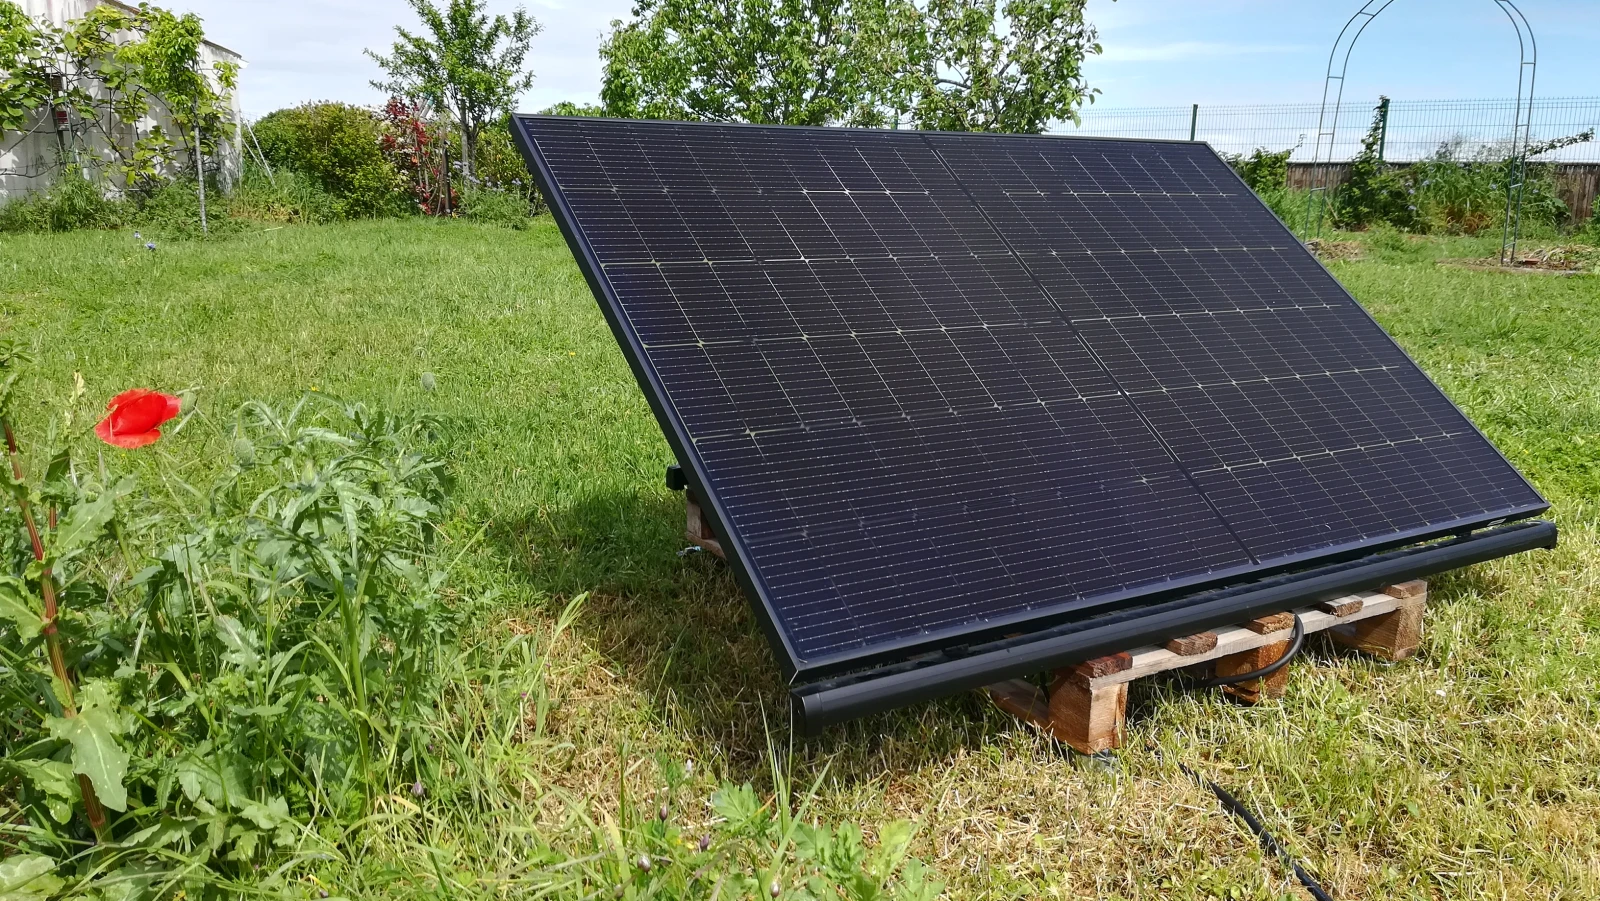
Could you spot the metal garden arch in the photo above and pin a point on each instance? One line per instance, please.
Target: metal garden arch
(1521, 132)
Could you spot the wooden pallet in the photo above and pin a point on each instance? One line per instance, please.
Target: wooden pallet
(1085, 706)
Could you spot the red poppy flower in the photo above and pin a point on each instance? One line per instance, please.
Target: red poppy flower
(136, 417)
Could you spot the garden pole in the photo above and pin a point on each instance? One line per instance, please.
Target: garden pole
(1194, 120)
(200, 168)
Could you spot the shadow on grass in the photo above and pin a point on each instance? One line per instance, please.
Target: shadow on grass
(679, 632)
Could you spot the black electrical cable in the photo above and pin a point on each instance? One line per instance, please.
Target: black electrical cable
(1270, 844)
(1297, 640)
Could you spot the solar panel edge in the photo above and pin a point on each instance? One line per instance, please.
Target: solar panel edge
(827, 667)
(673, 429)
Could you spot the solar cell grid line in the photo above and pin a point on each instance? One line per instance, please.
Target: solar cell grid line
(895, 381)
(1398, 396)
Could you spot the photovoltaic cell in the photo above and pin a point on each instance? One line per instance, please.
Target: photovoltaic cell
(941, 385)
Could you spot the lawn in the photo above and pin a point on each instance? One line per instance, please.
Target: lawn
(1471, 771)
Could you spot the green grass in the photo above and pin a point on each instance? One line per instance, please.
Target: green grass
(1472, 771)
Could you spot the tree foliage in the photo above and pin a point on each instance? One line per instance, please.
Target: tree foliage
(952, 64)
(976, 75)
(1263, 170)
(467, 64)
(794, 62)
(1373, 192)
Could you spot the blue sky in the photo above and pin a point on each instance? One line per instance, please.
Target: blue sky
(1158, 52)
(1171, 52)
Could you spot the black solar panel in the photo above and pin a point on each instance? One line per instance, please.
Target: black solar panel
(942, 386)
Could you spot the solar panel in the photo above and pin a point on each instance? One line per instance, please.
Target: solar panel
(937, 387)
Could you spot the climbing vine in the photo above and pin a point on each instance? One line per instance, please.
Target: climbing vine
(96, 88)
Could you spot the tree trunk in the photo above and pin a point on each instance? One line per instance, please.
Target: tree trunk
(469, 144)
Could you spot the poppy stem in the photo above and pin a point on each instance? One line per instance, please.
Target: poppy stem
(52, 638)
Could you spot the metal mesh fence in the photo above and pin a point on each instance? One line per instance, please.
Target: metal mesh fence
(1416, 128)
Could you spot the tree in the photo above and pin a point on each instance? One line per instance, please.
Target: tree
(974, 76)
(791, 62)
(568, 108)
(960, 65)
(469, 65)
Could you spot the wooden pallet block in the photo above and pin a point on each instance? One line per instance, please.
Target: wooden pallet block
(1085, 706)
(697, 528)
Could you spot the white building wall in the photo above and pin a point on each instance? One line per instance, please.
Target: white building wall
(29, 159)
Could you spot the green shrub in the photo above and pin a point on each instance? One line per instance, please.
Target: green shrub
(250, 654)
(336, 146)
(500, 165)
(1263, 170)
(282, 196)
(494, 207)
(1374, 192)
(174, 209)
(1287, 204)
(73, 202)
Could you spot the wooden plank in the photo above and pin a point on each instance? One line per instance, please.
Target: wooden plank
(1190, 645)
(1267, 625)
(696, 529)
(1100, 667)
(1086, 705)
(1416, 588)
(1088, 720)
(1153, 659)
(1341, 607)
(1022, 700)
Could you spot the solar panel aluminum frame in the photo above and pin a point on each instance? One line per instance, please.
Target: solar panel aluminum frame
(799, 672)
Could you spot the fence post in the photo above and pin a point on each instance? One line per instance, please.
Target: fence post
(1383, 126)
(1194, 120)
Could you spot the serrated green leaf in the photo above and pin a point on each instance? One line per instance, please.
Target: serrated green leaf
(16, 606)
(239, 642)
(737, 804)
(209, 778)
(894, 840)
(244, 846)
(270, 815)
(85, 522)
(166, 832)
(28, 877)
(96, 753)
(54, 780)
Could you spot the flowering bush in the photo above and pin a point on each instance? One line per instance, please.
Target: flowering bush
(417, 147)
(200, 671)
